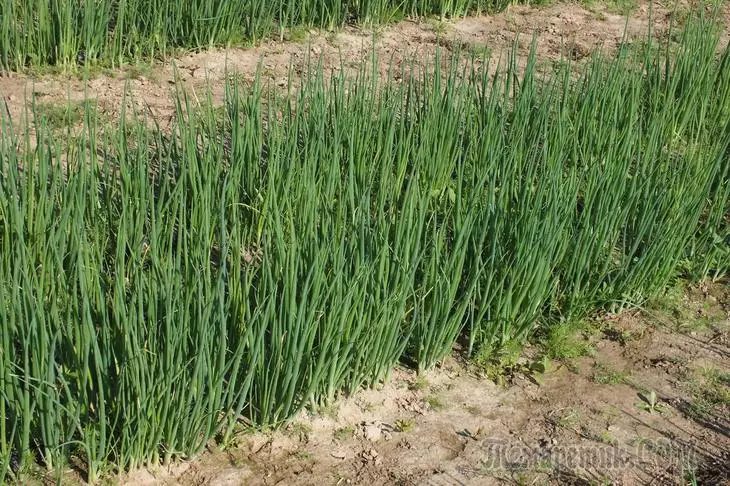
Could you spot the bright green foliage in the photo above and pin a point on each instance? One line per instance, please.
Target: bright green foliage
(76, 32)
(710, 250)
(155, 287)
(650, 149)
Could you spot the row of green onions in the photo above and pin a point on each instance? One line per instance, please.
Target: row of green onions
(111, 32)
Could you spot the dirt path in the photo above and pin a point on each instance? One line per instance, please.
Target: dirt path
(589, 419)
(565, 31)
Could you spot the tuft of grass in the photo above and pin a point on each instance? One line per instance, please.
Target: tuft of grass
(303, 456)
(419, 384)
(622, 7)
(619, 7)
(140, 70)
(689, 476)
(621, 334)
(604, 375)
(62, 115)
(605, 437)
(368, 407)
(329, 410)
(498, 364)
(710, 389)
(404, 425)
(671, 299)
(297, 34)
(299, 430)
(435, 403)
(569, 419)
(342, 434)
(566, 341)
(716, 387)
(474, 410)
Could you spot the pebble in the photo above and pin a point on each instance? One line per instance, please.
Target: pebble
(338, 455)
(373, 433)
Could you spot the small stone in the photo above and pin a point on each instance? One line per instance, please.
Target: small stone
(372, 432)
(338, 455)
(11, 98)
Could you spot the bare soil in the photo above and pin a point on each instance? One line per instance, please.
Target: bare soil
(647, 402)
